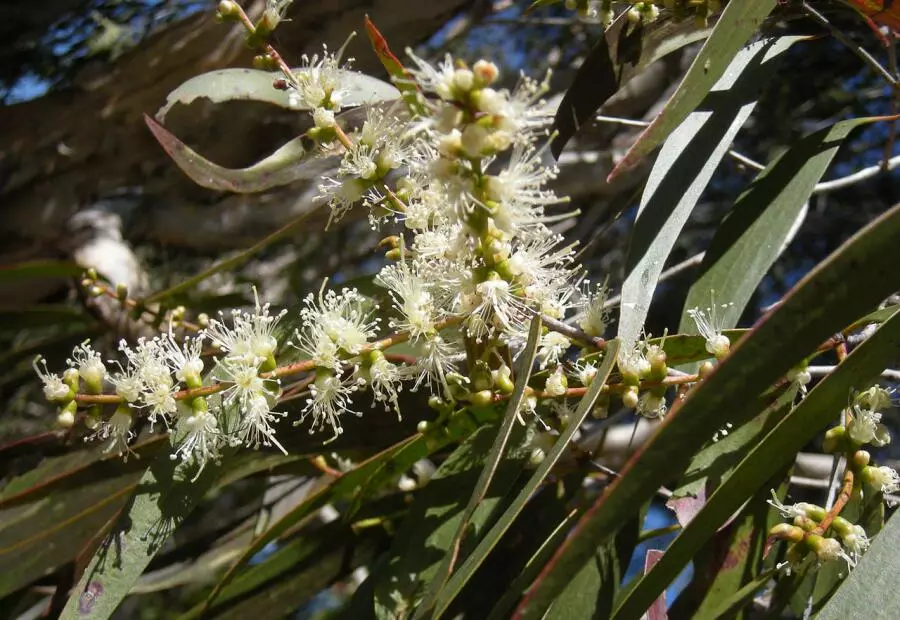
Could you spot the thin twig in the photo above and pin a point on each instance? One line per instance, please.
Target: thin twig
(851, 45)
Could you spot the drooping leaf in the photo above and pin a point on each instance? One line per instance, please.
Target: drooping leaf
(754, 233)
(685, 165)
(43, 316)
(821, 406)
(623, 52)
(280, 168)
(476, 558)
(738, 22)
(850, 282)
(254, 85)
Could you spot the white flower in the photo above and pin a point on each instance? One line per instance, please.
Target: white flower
(330, 399)
(525, 113)
(519, 190)
(866, 427)
(335, 323)
(184, 359)
(556, 383)
(856, 542)
(789, 512)
(433, 363)
(710, 325)
(317, 83)
(117, 431)
(384, 379)
(498, 307)
(411, 298)
(127, 383)
(438, 80)
(593, 317)
(884, 478)
(586, 372)
(55, 389)
(251, 338)
(323, 119)
(89, 365)
(552, 348)
(830, 549)
(149, 365)
(252, 396)
(634, 362)
(201, 440)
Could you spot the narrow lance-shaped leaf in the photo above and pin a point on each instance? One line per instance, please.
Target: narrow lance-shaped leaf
(459, 579)
(510, 418)
(739, 21)
(821, 406)
(408, 89)
(849, 283)
(684, 167)
(755, 232)
(623, 52)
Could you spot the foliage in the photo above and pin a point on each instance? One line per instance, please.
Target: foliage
(447, 462)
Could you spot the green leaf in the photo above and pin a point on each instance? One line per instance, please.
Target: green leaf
(43, 316)
(847, 284)
(403, 455)
(756, 230)
(685, 165)
(431, 529)
(624, 51)
(820, 407)
(280, 168)
(510, 420)
(255, 85)
(738, 22)
(39, 269)
(871, 588)
(166, 494)
(474, 560)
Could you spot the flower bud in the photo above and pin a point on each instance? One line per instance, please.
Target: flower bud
(860, 459)
(835, 440)
(785, 531)
(423, 426)
(482, 398)
(481, 376)
(658, 367)
(485, 72)
(556, 384)
(706, 369)
(66, 417)
(536, 457)
(630, 398)
(227, 9)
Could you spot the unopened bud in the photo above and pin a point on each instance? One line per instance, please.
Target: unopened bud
(503, 379)
(630, 398)
(227, 9)
(485, 72)
(391, 242)
(835, 440)
(536, 457)
(481, 398)
(785, 531)
(422, 427)
(121, 292)
(861, 458)
(706, 369)
(394, 254)
(66, 417)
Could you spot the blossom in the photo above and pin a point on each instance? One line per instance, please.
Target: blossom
(593, 316)
(55, 389)
(883, 478)
(433, 363)
(556, 383)
(251, 337)
(440, 80)
(551, 348)
(330, 398)
(116, 431)
(184, 359)
(335, 324)
(200, 440)
(384, 378)
(710, 324)
(251, 395)
(317, 83)
(411, 297)
(497, 307)
(88, 364)
(519, 191)
(652, 405)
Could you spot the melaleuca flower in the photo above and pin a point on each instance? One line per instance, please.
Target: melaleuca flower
(866, 427)
(411, 298)
(885, 479)
(518, 191)
(330, 399)
(524, 113)
(128, 384)
(593, 317)
(540, 261)
(184, 359)
(150, 366)
(200, 439)
(317, 83)
(552, 348)
(856, 542)
(251, 395)
(634, 362)
(89, 365)
(710, 325)
(440, 80)
(585, 371)
(433, 363)
(251, 337)
(335, 324)
(116, 432)
(556, 383)
(384, 379)
(55, 389)
(497, 308)
(801, 509)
